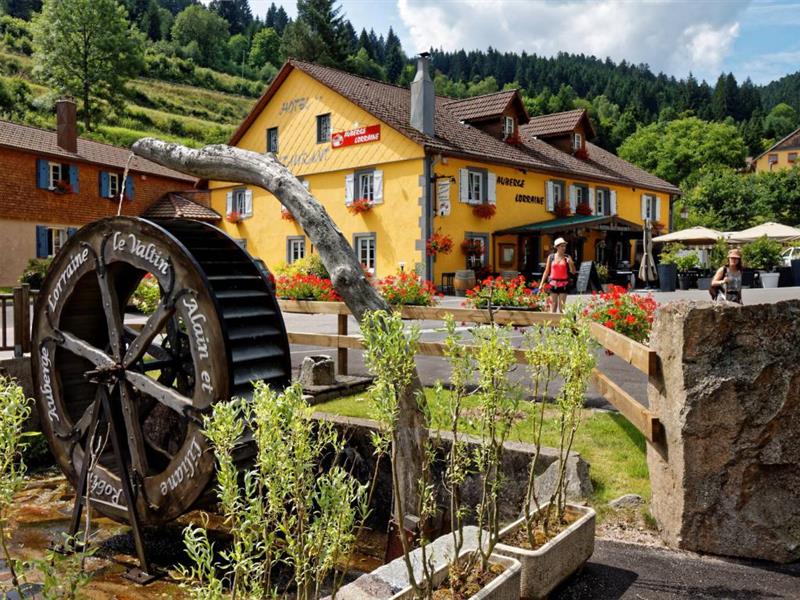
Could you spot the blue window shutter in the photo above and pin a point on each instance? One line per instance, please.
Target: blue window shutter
(129, 187)
(42, 173)
(104, 191)
(73, 178)
(71, 231)
(41, 241)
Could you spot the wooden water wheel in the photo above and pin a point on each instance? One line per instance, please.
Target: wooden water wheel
(216, 329)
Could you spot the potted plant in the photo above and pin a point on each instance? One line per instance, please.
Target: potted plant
(602, 274)
(360, 206)
(667, 267)
(685, 263)
(438, 243)
(484, 210)
(554, 538)
(763, 254)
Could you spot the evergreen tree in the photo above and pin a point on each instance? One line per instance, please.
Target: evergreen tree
(366, 43)
(281, 20)
(350, 37)
(176, 6)
(318, 33)
(362, 64)
(87, 49)
(236, 12)
(395, 59)
(725, 101)
(21, 9)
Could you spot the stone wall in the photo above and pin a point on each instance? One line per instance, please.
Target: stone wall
(727, 480)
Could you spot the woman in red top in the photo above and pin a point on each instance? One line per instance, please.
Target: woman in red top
(556, 273)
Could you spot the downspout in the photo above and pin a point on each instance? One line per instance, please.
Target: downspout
(427, 213)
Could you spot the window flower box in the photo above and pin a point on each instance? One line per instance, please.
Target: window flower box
(360, 206)
(562, 209)
(62, 186)
(484, 211)
(583, 208)
(472, 247)
(234, 217)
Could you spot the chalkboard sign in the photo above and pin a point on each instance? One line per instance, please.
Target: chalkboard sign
(587, 278)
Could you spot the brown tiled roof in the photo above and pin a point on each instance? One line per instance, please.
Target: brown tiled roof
(481, 107)
(42, 141)
(391, 104)
(554, 124)
(177, 206)
(790, 141)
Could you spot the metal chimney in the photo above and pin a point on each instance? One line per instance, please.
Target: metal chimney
(422, 97)
(66, 126)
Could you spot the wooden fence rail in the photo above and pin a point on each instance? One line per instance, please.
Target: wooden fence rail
(638, 355)
(17, 306)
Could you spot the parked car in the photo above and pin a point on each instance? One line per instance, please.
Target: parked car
(789, 255)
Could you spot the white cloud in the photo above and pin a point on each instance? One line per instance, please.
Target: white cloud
(675, 37)
(769, 67)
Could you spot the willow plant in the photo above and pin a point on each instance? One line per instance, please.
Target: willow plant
(285, 511)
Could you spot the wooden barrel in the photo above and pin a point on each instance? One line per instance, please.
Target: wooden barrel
(464, 280)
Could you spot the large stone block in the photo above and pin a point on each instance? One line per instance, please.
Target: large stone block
(727, 480)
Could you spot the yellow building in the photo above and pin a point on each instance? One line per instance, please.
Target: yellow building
(781, 155)
(427, 165)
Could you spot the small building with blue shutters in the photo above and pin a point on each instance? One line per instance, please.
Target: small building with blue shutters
(53, 182)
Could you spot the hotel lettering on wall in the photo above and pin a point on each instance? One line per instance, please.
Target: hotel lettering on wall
(353, 137)
(520, 183)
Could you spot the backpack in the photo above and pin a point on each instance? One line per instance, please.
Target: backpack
(714, 290)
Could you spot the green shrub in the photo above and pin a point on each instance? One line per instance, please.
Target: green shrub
(669, 254)
(35, 272)
(687, 261)
(146, 296)
(763, 254)
(308, 265)
(718, 254)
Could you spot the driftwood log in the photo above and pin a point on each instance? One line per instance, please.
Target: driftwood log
(226, 163)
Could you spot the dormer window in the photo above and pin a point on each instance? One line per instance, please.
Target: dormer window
(508, 127)
(577, 141)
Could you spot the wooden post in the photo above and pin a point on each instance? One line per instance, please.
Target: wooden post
(22, 320)
(342, 352)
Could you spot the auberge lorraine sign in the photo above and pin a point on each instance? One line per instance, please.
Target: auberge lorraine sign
(353, 137)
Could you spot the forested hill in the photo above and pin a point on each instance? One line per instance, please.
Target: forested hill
(224, 56)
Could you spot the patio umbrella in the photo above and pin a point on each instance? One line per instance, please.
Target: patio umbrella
(647, 268)
(692, 236)
(774, 231)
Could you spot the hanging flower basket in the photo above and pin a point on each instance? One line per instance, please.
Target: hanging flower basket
(472, 247)
(286, 215)
(63, 186)
(484, 211)
(583, 209)
(562, 209)
(360, 206)
(439, 244)
(234, 217)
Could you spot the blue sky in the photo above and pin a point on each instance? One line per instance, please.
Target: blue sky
(755, 38)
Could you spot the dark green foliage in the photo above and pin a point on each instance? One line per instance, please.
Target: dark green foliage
(16, 35)
(277, 18)
(34, 273)
(21, 9)
(236, 12)
(786, 89)
(318, 34)
(204, 32)
(780, 121)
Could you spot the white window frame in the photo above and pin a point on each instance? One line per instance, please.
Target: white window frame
(579, 197)
(577, 141)
(475, 192)
(650, 207)
(558, 192)
(56, 174)
(57, 237)
(326, 137)
(508, 126)
(478, 261)
(365, 245)
(239, 204)
(295, 249)
(366, 181)
(270, 148)
(114, 182)
(601, 201)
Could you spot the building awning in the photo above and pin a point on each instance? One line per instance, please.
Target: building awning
(597, 222)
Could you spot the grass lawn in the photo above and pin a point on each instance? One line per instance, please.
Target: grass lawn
(612, 446)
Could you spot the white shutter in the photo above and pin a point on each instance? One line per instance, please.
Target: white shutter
(348, 188)
(463, 188)
(492, 188)
(549, 195)
(573, 198)
(658, 208)
(643, 203)
(377, 187)
(248, 203)
(613, 195)
(592, 200)
(228, 204)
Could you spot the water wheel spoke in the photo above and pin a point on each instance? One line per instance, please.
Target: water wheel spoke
(111, 309)
(142, 343)
(153, 350)
(133, 429)
(83, 349)
(166, 395)
(156, 448)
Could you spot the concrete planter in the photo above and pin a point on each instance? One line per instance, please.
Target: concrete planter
(544, 568)
(504, 587)
(769, 280)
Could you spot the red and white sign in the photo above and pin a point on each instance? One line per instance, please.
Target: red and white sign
(361, 135)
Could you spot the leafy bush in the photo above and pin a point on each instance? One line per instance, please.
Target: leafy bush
(763, 254)
(305, 287)
(308, 265)
(407, 289)
(629, 314)
(35, 272)
(687, 261)
(718, 254)
(670, 253)
(515, 293)
(146, 296)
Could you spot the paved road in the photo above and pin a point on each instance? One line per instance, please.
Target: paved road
(620, 571)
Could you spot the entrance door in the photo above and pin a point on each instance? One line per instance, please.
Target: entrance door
(530, 256)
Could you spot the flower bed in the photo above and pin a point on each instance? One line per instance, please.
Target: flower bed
(629, 314)
(407, 288)
(305, 287)
(515, 293)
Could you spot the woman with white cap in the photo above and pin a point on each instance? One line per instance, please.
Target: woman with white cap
(728, 279)
(556, 272)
